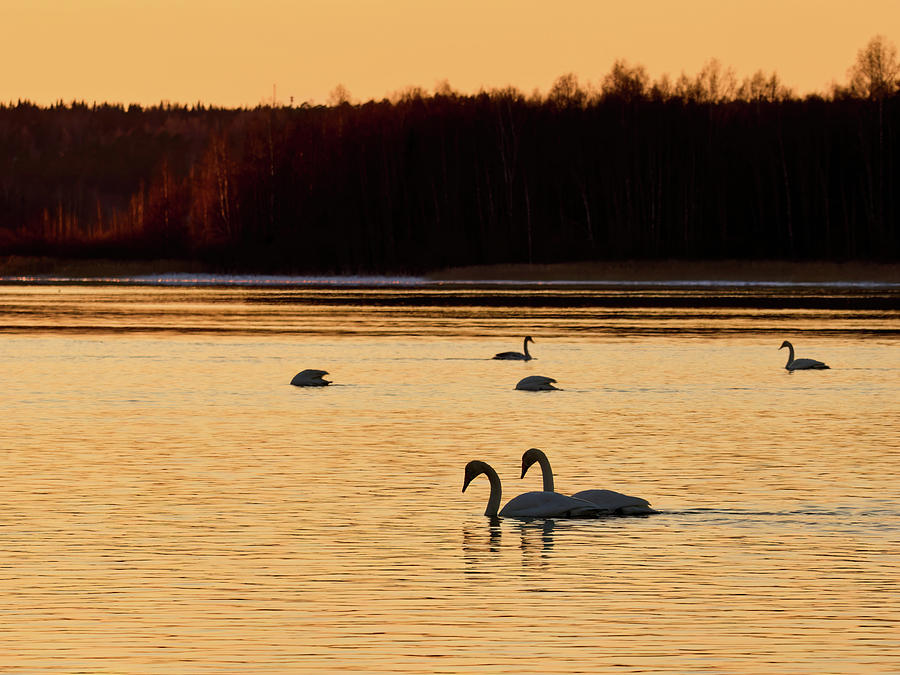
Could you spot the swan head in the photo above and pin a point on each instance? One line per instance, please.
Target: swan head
(528, 339)
(473, 469)
(529, 457)
(785, 344)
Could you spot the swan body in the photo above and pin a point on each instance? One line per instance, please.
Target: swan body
(614, 502)
(536, 383)
(517, 356)
(800, 364)
(310, 378)
(529, 504)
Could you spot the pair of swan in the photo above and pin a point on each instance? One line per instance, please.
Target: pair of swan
(551, 504)
(800, 364)
(532, 382)
(310, 378)
(314, 378)
(539, 383)
(529, 504)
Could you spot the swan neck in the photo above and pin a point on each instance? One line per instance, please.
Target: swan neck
(493, 505)
(525, 348)
(790, 355)
(547, 473)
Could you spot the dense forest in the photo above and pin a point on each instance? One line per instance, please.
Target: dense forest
(697, 168)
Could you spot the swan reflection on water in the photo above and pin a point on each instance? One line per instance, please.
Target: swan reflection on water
(481, 544)
(536, 541)
(477, 538)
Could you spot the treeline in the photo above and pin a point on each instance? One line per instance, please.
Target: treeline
(698, 168)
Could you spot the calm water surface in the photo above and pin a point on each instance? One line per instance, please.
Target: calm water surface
(172, 505)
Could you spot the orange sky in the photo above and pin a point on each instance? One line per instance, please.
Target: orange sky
(231, 52)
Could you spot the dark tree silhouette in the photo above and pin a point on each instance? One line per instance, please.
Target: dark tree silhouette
(700, 167)
(876, 71)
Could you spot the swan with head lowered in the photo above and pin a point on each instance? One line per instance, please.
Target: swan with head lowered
(529, 504)
(614, 502)
(537, 383)
(310, 378)
(800, 364)
(517, 356)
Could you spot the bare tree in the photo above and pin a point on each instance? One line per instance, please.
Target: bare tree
(625, 82)
(338, 96)
(662, 89)
(566, 93)
(876, 71)
(759, 88)
(685, 89)
(875, 76)
(715, 85)
(444, 89)
(409, 94)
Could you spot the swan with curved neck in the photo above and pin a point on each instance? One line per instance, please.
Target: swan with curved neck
(517, 356)
(800, 364)
(529, 504)
(614, 502)
(310, 378)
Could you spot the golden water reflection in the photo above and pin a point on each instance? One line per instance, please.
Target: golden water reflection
(171, 504)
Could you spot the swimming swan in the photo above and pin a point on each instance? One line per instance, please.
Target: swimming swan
(614, 502)
(800, 364)
(310, 378)
(530, 504)
(516, 356)
(536, 383)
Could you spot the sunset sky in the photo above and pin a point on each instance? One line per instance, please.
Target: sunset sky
(232, 52)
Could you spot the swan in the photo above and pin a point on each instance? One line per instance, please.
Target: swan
(517, 356)
(536, 383)
(310, 378)
(614, 502)
(800, 364)
(529, 504)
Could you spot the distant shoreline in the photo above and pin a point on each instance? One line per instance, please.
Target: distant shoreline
(681, 270)
(627, 271)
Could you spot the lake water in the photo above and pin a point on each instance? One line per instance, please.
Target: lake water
(172, 505)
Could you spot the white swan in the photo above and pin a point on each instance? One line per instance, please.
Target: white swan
(614, 502)
(529, 504)
(516, 356)
(310, 378)
(800, 364)
(536, 383)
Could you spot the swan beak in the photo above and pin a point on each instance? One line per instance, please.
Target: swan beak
(528, 458)
(525, 466)
(473, 470)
